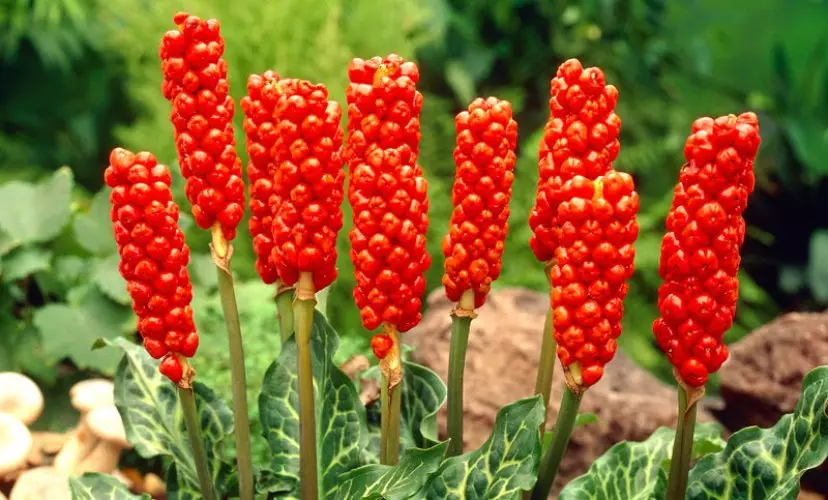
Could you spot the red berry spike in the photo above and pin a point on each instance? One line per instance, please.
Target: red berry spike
(700, 252)
(308, 182)
(195, 82)
(485, 159)
(381, 344)
(154, 257)
(580, 138)
(387, 191)
(260, 128)
(594, 260)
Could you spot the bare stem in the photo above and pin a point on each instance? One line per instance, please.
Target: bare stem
(284, 312)
(546, 366)
(222, 252)
(457, 360)
(188, 406)
(682, 446)
(390, 399)
(303, 307)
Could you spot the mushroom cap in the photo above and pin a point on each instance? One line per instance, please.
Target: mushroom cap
(105, 422)
(15, 444)
(41, 483)
(20, 397)
(92, 393)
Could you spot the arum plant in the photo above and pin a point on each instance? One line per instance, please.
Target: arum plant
(473, 248)
(195, 83)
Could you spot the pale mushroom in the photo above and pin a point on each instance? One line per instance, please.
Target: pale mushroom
(20, 397)
(106, 424)
(41, 483)
(85, 396)
(15, 444)
(154, 486)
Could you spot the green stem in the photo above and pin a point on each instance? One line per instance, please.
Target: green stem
(188, 406)
(457, 361)
(238, 381)
(563, 431)
(390, 422)
(682, 448)
(284, 312)
(546, 366)
(303, 313)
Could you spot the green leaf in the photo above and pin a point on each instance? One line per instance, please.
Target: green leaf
(93, 228)
(637, 470)
(97, 486)
(24, 262)
(109, 280)
(506, 463)
(22, 351)
(398, 482)
(340, 421)
(153, 420)
(68, 331)
(423, 393)
(33, 213)
(768, 463)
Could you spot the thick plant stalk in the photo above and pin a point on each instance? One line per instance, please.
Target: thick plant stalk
(303, 307)
(688, 398)
(546, 366)
(461, 321)
(188, 406)
(390, 399)
(563, 431)
(222, 251)
(284, 311)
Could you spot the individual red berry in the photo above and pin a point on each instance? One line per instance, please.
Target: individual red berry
(699, 260)
(195, 83)
(381, 345)
(580, 138)
(260, 128)
(307, 184)
(154, 257)
(591, 269)
(387, 191)
(485, 159)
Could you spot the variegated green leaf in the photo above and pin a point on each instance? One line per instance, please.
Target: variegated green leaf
(96, 486)
(506, 464)
(768, 463)
(637, 470)
(423, 393)
(392, 483)
(340, 419)
(154, 422)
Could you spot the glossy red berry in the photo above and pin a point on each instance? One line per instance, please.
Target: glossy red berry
(381, 345)
(260, 129)
(154, 256)
(700, 253)
(580, 138)
(308, 183)
(594, 261)
(387, 191)
(485, 159)
(195, 82)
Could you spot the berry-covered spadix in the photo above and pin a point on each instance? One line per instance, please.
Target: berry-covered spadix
(700, 252)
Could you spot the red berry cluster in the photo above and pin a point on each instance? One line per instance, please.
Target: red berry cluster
(485, 159)
(195, 82)
(308, 183)
(154, 257)
(580, 138)
(700, 252)
(260, 128)
(387, 191)
(596, 231)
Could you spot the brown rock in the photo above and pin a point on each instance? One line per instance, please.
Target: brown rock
(762, 379)
(501, 366)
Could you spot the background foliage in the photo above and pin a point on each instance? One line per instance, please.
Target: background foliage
(78, 77)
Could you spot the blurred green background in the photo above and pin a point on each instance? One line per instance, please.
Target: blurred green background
(78, 77)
